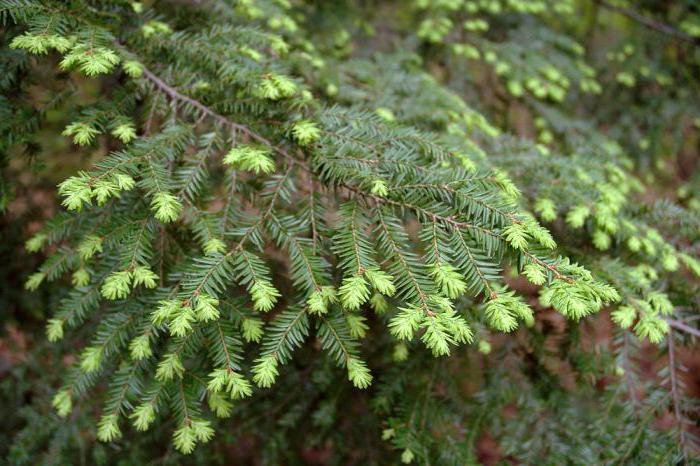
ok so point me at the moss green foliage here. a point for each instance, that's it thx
(298, 228)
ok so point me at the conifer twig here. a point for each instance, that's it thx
(674, 391)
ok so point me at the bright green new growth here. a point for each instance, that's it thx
(232, 383)
(108, 428)
(40, 44)
(306, 132)
(214, 246)
(250, 158)
(144, 276)
(62, 402)
(321, 299)
(54, 329)
(274, 87)
(503, 312)
(190, 433)
(264, 295)
(83, 134)
(90, 60)
(117, 285)
(80, 278)
(205, 308)
(265, 371)
(169, 368)
(181, 321)
(449, 280)
(354, 292)
(546, 209)
(126, 132)
(166, 207)
(140, 347)
(358, 373)
(143, 416)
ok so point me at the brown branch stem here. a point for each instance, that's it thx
(678, 325)
(650, 23)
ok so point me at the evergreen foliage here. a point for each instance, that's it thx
(291, 206)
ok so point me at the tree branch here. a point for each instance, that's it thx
(650, 23)
(204, 110)
(677, 324)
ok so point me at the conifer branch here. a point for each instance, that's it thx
(677, 324)
(398, 255)
(487, 285)
(421, 203)
(282, 339)
(249, 231)
(451, 221)
(650, 23)
(457, 194)
(551, 267)
(628, 367)
(312, 211)
(229, 201)
(222, 338)
(643, 422)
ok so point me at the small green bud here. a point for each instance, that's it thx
(133, 69)
(252, 329)
(34, 281)
(35, 243)
(81, 277)
(117, 285)
(400, 352)
(407, 456)
(577, 216)
(379, 188)
(484, 347)
(143, 416)
(385, 114)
